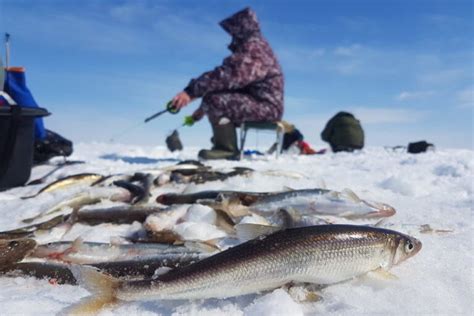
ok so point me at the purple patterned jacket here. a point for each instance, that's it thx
(251, 69)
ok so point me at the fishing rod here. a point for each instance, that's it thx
(7, 50)
(169, 108)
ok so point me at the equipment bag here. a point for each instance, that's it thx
(419, 147)
(52, 145)
(15, 86)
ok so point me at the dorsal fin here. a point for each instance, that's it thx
(351, 195)
(247, 231)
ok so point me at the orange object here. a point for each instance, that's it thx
(16, 69)
(306, 148)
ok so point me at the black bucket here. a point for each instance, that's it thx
(16, 144)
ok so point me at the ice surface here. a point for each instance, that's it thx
(435, 188)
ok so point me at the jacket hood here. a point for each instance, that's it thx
(242, 24)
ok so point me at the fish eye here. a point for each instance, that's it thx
(409, 246)
(13, 244)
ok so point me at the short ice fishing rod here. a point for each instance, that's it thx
(7, 50)
(169, 108)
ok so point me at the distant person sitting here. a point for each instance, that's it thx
(344, 133)
(248, 86)
(293, 141)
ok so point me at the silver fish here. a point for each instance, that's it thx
(80, 252)
(119, 214)
(323, 202)
(59, 273)
(66, 182)
(322, 254)
(80, 199)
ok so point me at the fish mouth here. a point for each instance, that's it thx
(387, 210)
(417, 246)
(381, 209)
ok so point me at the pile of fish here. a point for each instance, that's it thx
(207, 244)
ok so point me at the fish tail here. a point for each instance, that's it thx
(102, 287)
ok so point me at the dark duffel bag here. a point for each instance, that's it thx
(16, 143)
(53, 145)
(419, 147)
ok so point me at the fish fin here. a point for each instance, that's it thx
(288, 189)
(303, 293)
(101, 286)
(30, 219)
(380, 223)
(200, 246)
(334, 195)
(351, 195)
(384, 274)
(290, 216)
(77, 244)
(28, 197)
(233, 207)
(426, 229)
(323, 184)
(224, 221)
(212, 243)
(249, 231)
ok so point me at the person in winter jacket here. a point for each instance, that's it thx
(248, 86)
(293, 138)
(343, 132)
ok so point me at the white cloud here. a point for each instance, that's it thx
(192, 33)
(465, 98)
(414, 95)
(347, 50)
(348, 68)
(443, 76)
(132, 12)
(382, 115)
(118, 29)
(91, 33)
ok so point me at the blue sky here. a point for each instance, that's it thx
(404, 68)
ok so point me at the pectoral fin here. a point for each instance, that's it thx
(383, 274)
(304, 293)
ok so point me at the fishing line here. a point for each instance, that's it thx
(125, 131)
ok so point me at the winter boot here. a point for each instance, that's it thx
(225, 143)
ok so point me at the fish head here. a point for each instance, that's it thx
(15, 250)
(406, 247)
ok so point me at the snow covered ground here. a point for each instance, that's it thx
(435, 188)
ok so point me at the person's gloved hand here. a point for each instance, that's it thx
(181, 100)
(188, 120)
